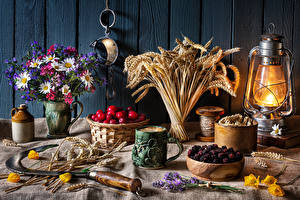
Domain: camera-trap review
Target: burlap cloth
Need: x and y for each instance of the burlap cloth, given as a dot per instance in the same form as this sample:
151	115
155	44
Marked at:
126	168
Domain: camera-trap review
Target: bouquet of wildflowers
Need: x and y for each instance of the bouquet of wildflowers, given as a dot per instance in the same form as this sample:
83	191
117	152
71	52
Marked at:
56	75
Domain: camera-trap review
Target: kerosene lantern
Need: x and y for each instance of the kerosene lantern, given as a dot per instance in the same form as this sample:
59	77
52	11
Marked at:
269	96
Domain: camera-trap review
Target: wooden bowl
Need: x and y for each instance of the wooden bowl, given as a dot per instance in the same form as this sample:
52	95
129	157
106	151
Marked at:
215	172
240	138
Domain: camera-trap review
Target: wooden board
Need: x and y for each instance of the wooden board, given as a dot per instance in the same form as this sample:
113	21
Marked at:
6	52
125	32
152	33
29	27
89	29
217	23
296	51
185	25
246	34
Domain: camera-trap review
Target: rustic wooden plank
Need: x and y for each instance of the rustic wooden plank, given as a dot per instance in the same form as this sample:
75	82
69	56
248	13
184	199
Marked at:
6	52
153	32
30	18
216	23
296	51
282	19
125	32
185	20
246	34
89	29
61	22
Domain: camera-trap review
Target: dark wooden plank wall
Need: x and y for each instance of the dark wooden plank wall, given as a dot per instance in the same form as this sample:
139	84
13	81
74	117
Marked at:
141	26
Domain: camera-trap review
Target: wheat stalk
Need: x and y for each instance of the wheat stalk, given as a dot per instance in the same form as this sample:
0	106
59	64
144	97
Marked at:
272	156
181	76
261	162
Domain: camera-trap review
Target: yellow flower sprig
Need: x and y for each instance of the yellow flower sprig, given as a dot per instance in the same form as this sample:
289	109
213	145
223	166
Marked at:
33	155
66	177
276	190
13	178
270	181
251	180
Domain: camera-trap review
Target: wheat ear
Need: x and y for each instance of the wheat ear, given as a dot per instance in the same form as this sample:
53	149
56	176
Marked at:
272	156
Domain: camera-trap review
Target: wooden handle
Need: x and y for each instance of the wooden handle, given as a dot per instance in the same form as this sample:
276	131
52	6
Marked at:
116	180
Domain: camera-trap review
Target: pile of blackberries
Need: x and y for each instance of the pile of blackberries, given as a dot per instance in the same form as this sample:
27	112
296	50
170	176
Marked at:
214	154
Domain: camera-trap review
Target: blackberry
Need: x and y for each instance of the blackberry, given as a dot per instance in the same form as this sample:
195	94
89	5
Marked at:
221	155
225	160
231	156
190	152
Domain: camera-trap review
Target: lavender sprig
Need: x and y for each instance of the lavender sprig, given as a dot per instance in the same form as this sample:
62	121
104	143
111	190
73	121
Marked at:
174	182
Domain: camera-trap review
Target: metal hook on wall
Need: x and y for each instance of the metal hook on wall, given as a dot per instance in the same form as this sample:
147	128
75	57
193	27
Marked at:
106	48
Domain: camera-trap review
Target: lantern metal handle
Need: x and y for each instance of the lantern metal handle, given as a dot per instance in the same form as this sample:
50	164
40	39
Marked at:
291	89
246	104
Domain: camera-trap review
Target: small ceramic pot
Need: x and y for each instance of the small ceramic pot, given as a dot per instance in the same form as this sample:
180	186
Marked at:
150	148
58	117
22	124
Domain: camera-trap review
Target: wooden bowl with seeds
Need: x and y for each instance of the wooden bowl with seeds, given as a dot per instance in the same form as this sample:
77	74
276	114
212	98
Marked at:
213	171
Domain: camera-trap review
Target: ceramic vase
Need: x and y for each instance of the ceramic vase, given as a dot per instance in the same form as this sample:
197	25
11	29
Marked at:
58	117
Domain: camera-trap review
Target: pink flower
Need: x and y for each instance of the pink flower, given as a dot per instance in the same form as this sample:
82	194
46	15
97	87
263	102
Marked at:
68	98
47	69
51	95
51	49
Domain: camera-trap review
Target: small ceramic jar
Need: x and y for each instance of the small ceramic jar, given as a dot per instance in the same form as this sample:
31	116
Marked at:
22	124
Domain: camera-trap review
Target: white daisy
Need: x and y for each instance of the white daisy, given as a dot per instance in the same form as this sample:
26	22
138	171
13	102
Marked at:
49	58
35	63
23	80
58	66
69	64
276	130
65	90
87	79
45	87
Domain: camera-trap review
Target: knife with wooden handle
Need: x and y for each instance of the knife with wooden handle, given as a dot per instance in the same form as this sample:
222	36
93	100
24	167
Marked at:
106	178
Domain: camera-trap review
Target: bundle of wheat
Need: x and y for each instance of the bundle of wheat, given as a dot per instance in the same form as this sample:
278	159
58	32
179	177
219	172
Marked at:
181	76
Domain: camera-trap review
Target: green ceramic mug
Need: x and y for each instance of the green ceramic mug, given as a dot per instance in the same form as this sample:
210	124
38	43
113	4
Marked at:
150	148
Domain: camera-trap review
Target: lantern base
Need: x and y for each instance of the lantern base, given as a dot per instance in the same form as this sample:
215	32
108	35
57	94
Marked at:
265	125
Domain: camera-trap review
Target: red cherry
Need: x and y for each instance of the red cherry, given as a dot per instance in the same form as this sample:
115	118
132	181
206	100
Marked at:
141	117
109	116
93	117
113	121
129	108
122	121
106	121
112	108
101	116
99	111
110	112
121	114
132	115
96	119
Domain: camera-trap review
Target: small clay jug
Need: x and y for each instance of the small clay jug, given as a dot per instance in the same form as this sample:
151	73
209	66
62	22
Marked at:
22	124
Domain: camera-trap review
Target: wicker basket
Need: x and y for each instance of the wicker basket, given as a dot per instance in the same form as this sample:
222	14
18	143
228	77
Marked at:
109	134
